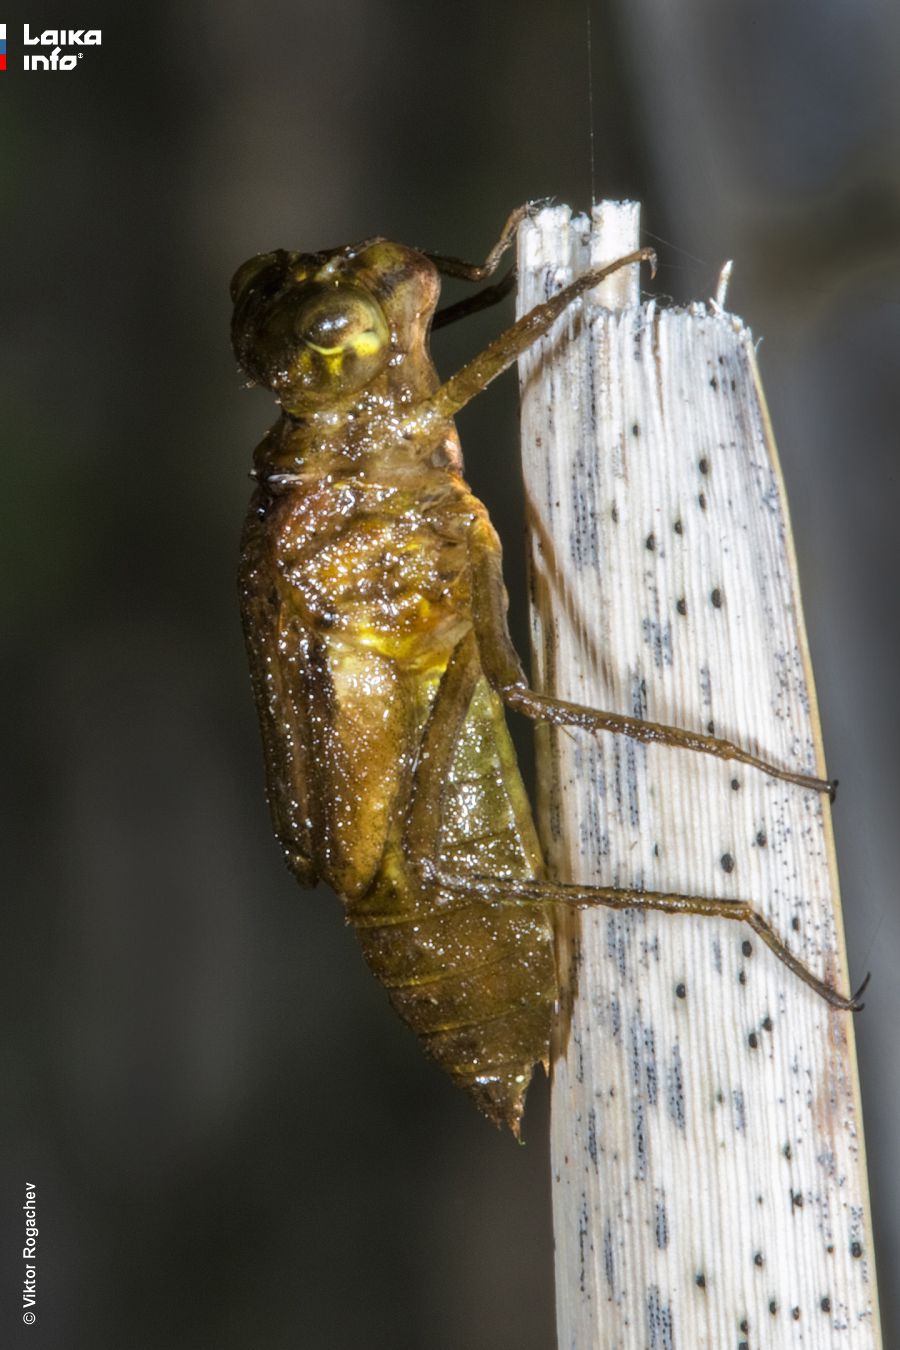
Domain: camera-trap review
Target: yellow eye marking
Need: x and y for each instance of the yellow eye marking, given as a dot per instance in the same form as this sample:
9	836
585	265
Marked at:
366	343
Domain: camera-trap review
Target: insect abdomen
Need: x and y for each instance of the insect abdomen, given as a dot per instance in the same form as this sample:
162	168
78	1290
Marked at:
476	981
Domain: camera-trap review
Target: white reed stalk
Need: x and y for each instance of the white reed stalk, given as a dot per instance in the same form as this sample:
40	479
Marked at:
707	1152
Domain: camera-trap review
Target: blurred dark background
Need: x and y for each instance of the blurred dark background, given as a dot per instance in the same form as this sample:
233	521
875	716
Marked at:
233	1140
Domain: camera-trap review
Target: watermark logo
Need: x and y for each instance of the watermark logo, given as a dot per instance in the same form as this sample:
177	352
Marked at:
58	48
2	46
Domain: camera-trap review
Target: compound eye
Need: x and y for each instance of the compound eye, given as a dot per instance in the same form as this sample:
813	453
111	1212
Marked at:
265	267
336	321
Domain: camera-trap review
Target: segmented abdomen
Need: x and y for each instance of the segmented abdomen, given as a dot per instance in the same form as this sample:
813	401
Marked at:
476	981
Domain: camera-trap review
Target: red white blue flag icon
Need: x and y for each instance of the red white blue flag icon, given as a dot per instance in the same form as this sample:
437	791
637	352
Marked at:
2	46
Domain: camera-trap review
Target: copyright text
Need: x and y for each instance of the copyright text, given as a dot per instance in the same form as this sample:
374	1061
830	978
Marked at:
29	1255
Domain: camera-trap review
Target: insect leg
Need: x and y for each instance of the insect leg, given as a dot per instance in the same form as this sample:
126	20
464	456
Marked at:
500	354
545	708
514	890
481	300
423	826
465	271
502	667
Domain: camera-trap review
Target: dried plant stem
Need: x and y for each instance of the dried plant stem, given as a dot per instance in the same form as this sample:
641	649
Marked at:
707	1152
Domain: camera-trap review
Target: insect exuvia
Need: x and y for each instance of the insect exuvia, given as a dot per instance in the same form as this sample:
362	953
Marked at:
375	618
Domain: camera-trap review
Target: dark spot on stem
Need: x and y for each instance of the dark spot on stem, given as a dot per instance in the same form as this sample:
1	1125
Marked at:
716	598
727	862
680	991
747	947
753	1040
592	1135
681	605
662	1227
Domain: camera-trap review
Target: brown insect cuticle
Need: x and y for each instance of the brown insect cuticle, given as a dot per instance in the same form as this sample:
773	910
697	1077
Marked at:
381	661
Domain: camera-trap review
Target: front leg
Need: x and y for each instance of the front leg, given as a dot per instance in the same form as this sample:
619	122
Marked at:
466	271
500	354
